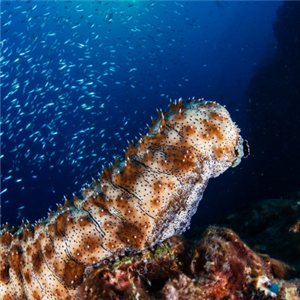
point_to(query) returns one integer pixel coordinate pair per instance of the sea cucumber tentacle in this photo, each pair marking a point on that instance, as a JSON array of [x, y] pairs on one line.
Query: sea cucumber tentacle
[[135, 204]]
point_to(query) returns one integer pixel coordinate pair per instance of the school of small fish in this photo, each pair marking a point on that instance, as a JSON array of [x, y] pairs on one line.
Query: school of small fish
[[65, 67]]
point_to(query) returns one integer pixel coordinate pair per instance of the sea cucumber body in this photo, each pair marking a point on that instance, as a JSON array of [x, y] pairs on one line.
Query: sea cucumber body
[[136, 204]]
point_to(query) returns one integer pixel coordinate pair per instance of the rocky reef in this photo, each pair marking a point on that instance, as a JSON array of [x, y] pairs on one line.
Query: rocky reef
[[219, 266], [270, 226]]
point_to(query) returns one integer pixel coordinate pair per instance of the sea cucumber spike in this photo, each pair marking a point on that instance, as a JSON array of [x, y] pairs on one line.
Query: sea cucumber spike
[[50, 215], [104, 170], [28, 233], [159, 116], [75, 199], [163, 122], [126, 154], [152, 120], [67, 203], [36, 227], [150, 129], [136, 204]]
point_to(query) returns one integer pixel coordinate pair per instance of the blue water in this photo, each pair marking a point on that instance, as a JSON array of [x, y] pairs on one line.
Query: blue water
[[79, 79]]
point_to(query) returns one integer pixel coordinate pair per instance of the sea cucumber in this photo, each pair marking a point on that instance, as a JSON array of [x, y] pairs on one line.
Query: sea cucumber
[[135, 204]]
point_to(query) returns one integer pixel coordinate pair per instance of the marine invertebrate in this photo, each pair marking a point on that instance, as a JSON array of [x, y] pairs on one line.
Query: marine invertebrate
[[223, 267], [136, 203]]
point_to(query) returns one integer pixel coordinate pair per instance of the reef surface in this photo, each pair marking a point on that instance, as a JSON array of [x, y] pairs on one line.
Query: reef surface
[[219, 266]]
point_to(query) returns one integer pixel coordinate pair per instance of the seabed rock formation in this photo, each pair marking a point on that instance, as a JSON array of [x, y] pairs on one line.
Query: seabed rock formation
[[271, 227], [219, 266]]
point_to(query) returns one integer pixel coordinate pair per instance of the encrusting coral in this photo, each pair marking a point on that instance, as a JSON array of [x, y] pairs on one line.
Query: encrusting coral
[[270, 227], [220, 266], [135, 205]]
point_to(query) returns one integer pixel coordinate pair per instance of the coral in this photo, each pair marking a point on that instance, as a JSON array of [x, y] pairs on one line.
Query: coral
[[135, 205], [140, 275], [220, 266], [270, 227]]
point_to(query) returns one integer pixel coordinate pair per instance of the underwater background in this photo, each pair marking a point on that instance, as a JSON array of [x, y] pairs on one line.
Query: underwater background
[[80, 78]]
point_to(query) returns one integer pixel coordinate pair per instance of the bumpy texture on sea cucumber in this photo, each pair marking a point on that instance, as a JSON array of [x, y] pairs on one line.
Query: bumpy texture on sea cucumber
[[136, 204]]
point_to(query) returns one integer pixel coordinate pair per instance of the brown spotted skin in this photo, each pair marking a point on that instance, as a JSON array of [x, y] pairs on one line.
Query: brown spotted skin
[[136, 204]]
